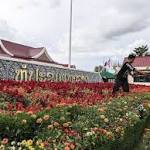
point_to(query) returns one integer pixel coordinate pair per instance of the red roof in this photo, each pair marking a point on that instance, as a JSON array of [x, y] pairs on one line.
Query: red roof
[[141, 61], [19, 50], [15, 50]]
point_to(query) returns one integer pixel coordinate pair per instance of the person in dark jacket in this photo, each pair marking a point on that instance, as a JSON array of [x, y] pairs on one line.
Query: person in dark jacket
[[122, 76]]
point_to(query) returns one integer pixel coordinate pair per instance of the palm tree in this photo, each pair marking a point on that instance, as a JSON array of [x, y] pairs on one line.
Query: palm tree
[[141, 51]]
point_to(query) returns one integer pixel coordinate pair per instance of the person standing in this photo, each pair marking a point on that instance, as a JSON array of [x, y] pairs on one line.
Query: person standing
[[122, 76]]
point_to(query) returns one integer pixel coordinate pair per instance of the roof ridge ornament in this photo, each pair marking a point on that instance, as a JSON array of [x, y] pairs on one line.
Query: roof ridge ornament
[[40, 53], [44, 50]]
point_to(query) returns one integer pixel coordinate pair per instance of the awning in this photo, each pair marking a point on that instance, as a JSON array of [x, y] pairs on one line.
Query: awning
[[107, 75]]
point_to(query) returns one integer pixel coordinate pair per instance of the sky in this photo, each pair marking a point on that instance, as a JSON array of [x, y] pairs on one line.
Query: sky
[[101, 29]]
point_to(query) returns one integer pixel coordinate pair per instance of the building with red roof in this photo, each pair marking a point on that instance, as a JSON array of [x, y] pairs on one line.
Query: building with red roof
[[141, 61], [14, 50]]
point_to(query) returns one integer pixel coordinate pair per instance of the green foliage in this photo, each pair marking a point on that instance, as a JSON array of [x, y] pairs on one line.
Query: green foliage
[[113, 125], [141, 51]]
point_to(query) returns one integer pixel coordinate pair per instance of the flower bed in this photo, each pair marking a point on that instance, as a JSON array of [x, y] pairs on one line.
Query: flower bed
[[64, 116]]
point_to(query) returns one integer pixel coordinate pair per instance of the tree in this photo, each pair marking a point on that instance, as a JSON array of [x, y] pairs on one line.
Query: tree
[[141, 51], [98, 68]]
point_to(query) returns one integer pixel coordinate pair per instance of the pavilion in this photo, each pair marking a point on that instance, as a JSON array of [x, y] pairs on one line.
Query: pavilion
[[17, 51]]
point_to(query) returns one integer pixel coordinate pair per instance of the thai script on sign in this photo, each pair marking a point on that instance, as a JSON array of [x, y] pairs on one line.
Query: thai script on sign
[[27, 75]]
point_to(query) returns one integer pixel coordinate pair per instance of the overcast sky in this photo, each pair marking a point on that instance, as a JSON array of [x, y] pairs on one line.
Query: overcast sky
[[102, 29]]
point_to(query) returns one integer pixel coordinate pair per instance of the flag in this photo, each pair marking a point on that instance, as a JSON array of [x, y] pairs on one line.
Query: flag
[[109, 63], [105, 64]]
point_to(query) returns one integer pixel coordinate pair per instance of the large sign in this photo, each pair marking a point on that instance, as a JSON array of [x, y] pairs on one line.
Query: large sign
[[27, 71]]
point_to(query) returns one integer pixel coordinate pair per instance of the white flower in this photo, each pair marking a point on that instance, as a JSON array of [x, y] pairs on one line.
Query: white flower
[[19, 148], [2, 147], [140, 107], [13, 148], [18, 144], [90, 133], [13, 143], [121, 119]]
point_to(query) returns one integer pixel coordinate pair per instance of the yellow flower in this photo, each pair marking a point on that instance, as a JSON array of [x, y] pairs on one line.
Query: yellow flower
[[38, 142], [106, 120], [29, 142], [41, 145], [33, 116], [102, 116], [23, 142], [24, 121], [122, 133], [31, 148]]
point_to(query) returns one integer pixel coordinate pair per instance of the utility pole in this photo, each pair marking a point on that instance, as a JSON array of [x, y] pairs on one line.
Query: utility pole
[[70, 35]]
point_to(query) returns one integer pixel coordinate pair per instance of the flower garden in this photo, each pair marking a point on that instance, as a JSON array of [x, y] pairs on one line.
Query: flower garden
[[67, 116]]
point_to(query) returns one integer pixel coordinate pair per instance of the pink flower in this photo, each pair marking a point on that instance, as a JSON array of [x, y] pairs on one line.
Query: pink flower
[[4, 141]]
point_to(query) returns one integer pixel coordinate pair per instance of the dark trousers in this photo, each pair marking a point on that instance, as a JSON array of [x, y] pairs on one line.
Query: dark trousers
[[120, 83]]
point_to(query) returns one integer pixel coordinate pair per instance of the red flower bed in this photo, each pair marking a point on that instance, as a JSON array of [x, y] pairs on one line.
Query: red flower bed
[[35, 96]]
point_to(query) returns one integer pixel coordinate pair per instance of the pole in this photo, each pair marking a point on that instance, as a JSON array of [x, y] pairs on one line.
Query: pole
[[70, 35]]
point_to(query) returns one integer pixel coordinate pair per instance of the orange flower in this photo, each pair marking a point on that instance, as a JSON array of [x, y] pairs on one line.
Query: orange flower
[[30, 112], [21, 91], [67, 144], [101, 110], [110, 137], [18, 112], [66, 125], [46, 117], [4, 141], [72, 146], [67, 148], [39, 120], [50, 126], [56, 124]]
